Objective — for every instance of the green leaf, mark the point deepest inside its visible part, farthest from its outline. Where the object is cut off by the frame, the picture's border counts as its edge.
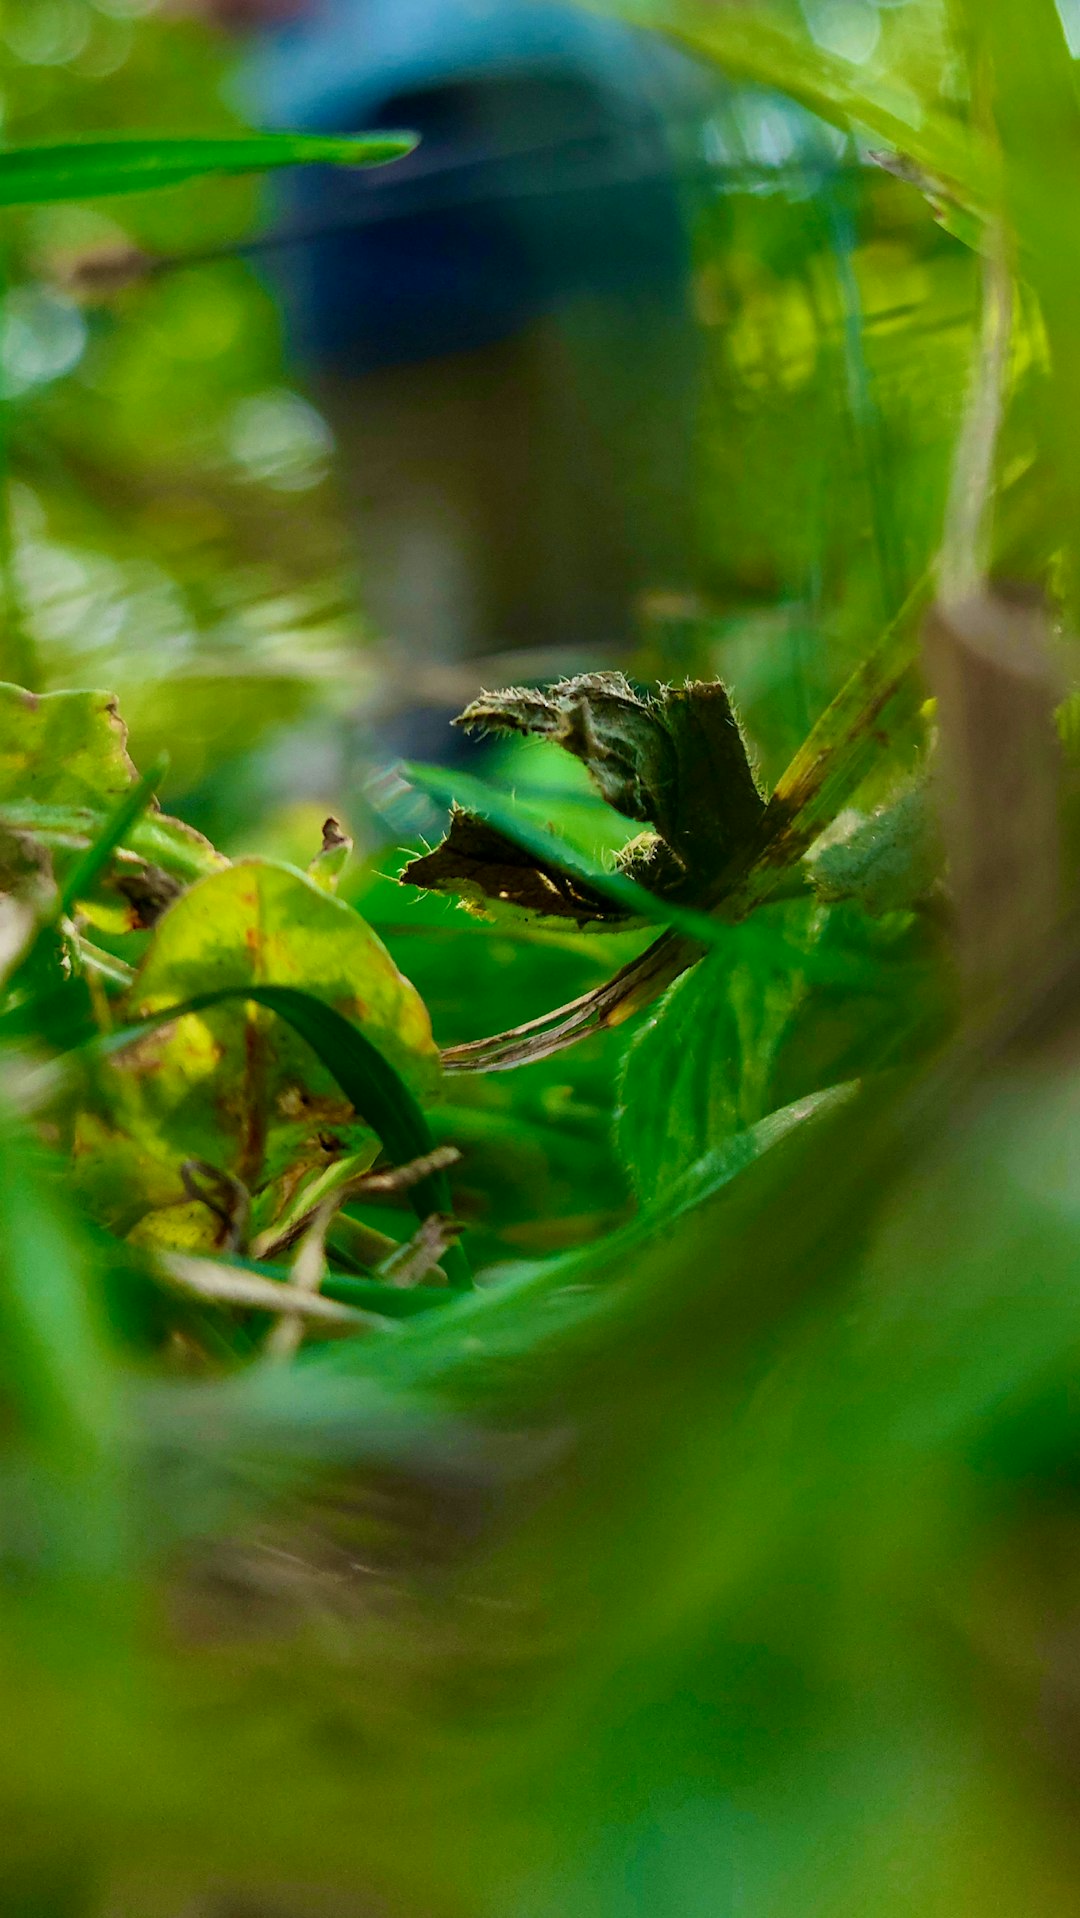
(153, 837)
(79, 882)
(885, 862)
(377, 1093)
(718, 1167)
(1033, 97)
(733, 1042)
(62, 749)
(36, 968)
(889, 1000)
(261, 923)
(64, 772)
(90, 169)
(698, 1072)
(71, 802)
(874, 707)
(225, 1085)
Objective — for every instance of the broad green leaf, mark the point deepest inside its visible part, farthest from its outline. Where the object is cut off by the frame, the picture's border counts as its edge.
(90, 169)
(734, 1041)
(376, 1092)
(80, 880)
(718, 1167)
(35, 971)
(888, 1001)
(231, 1085)
(62, 749)
(699, 1071)
(884, 862)
(71, 803)
(154, 837)
(263, 924)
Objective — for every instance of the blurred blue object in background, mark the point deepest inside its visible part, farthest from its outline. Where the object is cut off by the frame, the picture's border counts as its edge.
(546, 169)
(499, 327)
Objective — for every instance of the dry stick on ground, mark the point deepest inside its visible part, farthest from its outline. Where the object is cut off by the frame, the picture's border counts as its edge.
(410, 1264)
(228, 1285)
(388, 1183)
(396, 1179)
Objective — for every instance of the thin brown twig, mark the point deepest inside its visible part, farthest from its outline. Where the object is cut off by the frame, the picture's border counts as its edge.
(306, 1277)
(220, 1284)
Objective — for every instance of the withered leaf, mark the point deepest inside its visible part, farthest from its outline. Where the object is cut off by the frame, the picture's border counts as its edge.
(147, 890)
(673, 759)
(480, 864)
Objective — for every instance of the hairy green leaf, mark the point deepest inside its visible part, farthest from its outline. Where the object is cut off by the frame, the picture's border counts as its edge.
(837, 996)
(673, 759)
(700, 1070)
(884, 862)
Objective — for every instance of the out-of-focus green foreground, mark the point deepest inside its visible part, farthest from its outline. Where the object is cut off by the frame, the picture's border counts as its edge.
(709, 1545)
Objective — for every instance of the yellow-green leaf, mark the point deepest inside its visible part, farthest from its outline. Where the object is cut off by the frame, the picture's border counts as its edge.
(231, 1085)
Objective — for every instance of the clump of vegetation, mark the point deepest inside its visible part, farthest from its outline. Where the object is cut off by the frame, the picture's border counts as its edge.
(565, 1405)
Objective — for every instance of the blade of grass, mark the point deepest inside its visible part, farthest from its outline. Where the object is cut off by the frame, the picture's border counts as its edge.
(58, 1380)
(77, 885)
(365, 1294)
(475, 796)
(92, 169)
(88, 868)
(747, 47)
(1035, 107)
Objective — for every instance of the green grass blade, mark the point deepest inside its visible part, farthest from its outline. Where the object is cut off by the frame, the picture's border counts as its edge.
(57, 1379)
(872, 707)
(750, 48)
(76, 886)
(462, 789)
(87, 870)
(91, 169)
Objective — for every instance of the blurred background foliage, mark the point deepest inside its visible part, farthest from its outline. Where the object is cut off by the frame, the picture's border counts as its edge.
(177, 533)
(717, 1555)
